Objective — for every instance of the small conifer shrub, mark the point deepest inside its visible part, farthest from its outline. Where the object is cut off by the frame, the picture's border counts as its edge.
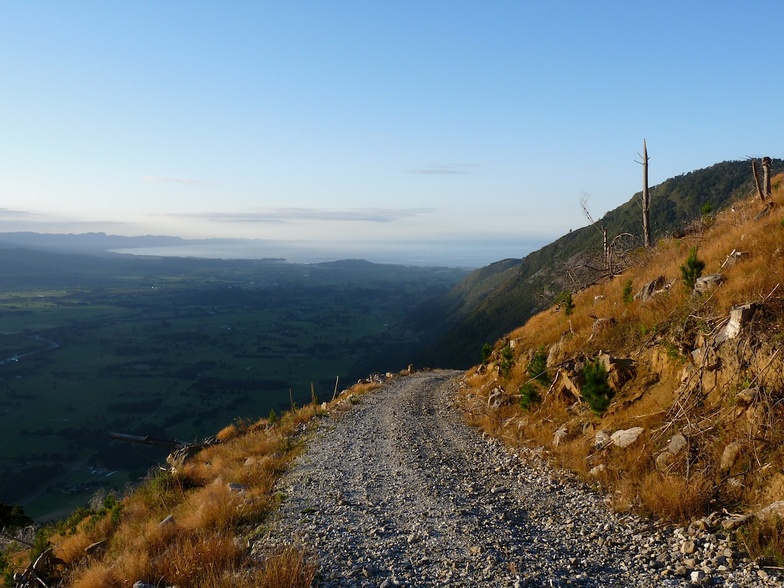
(565, 300)
(487, 351)
(596, 391)
(507, 361)
(529, 395)
(537, 367)
(692, 269)
(628, 297)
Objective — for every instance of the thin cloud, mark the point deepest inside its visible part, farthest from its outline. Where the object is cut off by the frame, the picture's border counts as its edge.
(289, 215)
(451, 169)
(9, 212)
(163, 179)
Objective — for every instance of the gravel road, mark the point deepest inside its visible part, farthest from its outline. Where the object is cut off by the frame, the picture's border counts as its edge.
(399, 491)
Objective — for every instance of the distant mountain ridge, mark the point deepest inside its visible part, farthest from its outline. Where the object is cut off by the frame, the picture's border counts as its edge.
(93, 243)
(498, 298)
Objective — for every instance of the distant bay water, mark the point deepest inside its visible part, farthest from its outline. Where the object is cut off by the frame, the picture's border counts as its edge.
(468, 254)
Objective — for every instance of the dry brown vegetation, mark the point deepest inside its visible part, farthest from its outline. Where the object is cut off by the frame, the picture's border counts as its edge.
(191, 526)
(675, 379)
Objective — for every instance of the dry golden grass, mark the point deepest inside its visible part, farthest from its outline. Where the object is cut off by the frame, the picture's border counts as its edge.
(188, 561)
(660, 335)
(96, 576)
(764, 540)
(228, 432)
(287, 567)
(675, 498)
(199, 548)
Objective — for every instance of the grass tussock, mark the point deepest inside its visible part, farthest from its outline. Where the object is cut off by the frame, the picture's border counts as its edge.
(680, 383)
(764, 540)
(286, 567)
(675, 498)
(182, 526)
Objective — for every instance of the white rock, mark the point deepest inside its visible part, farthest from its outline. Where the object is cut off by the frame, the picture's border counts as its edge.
(677, 444)
(625, 437)
(602, 438)
(697, 576)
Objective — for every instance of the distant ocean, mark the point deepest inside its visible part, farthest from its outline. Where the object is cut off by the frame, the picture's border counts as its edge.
(468, 254)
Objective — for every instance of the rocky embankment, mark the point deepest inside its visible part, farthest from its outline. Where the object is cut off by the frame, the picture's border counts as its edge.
(399, 491)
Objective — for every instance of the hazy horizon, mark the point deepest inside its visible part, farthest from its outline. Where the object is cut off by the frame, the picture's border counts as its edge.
(472, 254)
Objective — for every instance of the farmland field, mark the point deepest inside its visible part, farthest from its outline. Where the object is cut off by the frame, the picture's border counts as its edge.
(177, 350)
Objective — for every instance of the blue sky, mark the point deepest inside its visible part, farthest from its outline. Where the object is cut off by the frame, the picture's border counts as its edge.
(370, 121)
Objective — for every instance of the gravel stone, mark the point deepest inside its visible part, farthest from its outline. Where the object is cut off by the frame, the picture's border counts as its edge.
(399, 491)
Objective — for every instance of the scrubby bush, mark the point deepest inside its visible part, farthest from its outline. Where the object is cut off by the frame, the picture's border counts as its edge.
(487, 351)
(628, 297)
(529, 395)
(507, 361)
(565, 300)
(596, 391)
(537, 367)
(692, 269)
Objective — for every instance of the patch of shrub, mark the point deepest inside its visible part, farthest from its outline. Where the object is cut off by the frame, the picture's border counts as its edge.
(507, 361)
(12, 516)
(565, 301)
(40, 542)
(691, 269)
(537, 367)
(628, 297)
(529, 396)
(596, 391)
(487, 351)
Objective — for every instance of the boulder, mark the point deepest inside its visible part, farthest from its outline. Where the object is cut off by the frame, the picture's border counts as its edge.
(619, 370)
(775, 509)
(730, 455)
(739, 316)
(601, 439)
(688, 547)
(664, 460)
(650, 289)
(625, 437)
(747, 396)
(597, 470)
(705, 284)
(677, 444)
(735, 257)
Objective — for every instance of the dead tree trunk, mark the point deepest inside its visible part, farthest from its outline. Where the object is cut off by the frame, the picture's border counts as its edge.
(766, 177)
(646, 198)
(756, 180)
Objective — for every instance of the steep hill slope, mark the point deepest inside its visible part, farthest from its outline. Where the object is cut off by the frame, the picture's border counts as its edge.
(670, 399)
(496, 299)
